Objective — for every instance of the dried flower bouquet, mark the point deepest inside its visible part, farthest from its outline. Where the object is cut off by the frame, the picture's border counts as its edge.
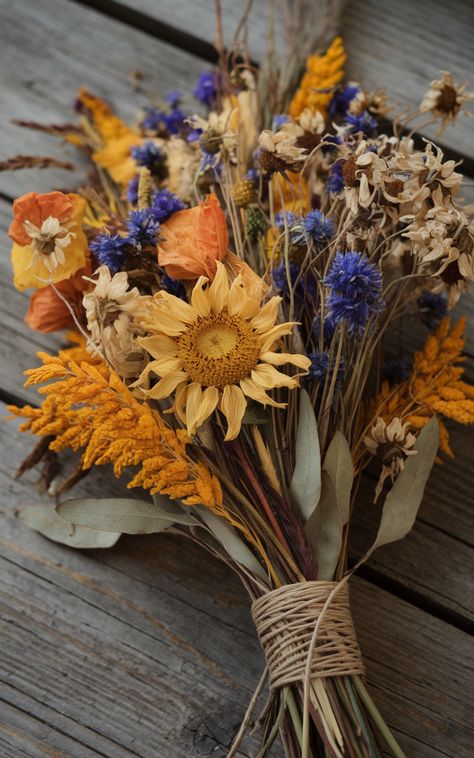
(231, 281)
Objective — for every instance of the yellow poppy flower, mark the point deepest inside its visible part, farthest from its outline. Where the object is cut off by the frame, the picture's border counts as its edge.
(116, 157)
(216, 352)
(49, 242)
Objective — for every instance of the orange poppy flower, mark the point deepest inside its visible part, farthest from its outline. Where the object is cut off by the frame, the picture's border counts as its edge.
(48, 313)
(193, 240)
(49, 243)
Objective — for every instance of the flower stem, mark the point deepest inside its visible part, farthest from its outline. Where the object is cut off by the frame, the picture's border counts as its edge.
(377, 718)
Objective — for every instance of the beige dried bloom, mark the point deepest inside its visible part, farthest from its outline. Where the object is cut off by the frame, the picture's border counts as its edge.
(391, 443)
(279, 150)
(445, 100)
(110, 311)
(183, 161)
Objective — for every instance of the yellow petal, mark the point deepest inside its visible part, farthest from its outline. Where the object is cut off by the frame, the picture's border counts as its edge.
(200, 299)
(199, 405)
(165, 386)
(267, 316)
(167, 323)
(279, 359)
(219, 289)
(268, 377)
(255, 392)
(181, 310)
(278, 331)
(166, 365)
(233, 405)
(159, 346)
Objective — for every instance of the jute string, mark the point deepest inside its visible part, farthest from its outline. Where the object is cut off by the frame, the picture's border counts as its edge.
(286, 620)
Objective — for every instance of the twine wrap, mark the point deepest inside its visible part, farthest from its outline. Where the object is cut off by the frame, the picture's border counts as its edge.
(285, 619)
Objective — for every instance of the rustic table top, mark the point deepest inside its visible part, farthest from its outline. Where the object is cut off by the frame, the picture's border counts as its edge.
(148, 649)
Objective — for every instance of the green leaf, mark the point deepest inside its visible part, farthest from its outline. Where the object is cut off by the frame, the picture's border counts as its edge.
(402, 502)
(45, 520)
(255, 414)
(305, 487)
(339, 466)
(231, 542)
(324, 530)
(123, 514)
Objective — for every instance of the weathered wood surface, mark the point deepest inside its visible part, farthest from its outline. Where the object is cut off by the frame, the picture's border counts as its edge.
(138, 650)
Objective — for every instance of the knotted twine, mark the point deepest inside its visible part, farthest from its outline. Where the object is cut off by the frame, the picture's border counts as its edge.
(287, 619)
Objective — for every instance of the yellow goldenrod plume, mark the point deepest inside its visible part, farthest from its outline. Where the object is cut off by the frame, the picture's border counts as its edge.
(87, 407)
(323, 72)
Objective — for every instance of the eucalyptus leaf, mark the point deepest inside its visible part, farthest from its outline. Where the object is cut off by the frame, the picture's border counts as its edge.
(324, 530)
(338, 464)
(122, 514)
(305, 487)
(232, 543)
(255, 414)
(45, 520)
(403, 500)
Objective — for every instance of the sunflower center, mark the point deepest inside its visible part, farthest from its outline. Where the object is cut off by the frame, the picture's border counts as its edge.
(219, 350)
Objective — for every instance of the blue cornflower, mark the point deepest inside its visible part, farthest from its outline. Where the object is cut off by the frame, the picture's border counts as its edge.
(174, 97)
(433, 308)
(364, 123)
(164, 204)
(278, 120)
(306, 287)
(132, 191)
(210, 161)
(143, 228)
(153, 120)
(206, 88)
(174, 121)
(355, 290)
(110, 250)
(335, 181)
(173, 286)
(329, 327)
(252, 175)
(291, 219)
(317, 226)
(149, 155)
(396, 370)
(321, 366)
(341, 100)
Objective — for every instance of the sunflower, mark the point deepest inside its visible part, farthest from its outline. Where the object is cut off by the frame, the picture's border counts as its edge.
(216, 352)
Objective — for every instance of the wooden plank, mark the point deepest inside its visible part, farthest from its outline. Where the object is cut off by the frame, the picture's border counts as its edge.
(149, 648)
(401, 51)
(39, 78)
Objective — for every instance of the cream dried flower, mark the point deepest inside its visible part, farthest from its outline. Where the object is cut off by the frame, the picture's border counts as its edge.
(279, 150)
(391, 443)
(182, 161)
(110, 311)
(445, 100)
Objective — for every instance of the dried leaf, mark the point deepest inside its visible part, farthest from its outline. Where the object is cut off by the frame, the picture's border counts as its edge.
(402, 502)
(324, 530)
(305, 487)
(338, 464)
(34, 161)
(123, 514)
(233, 545)
(44, 519)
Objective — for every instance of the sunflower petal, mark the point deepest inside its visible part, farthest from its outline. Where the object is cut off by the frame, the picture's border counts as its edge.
(166, 386)
(233, 405)
(219, 289)
(265, 319)
(255, 392)
(278, 331)
(200, 298)
(268, 377)
(159, 346)
(279, 359)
